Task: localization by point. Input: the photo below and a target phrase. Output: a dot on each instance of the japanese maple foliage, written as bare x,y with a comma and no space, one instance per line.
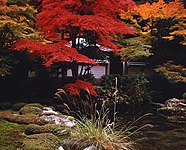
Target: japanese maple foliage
51,53
85,18
65,21
75,88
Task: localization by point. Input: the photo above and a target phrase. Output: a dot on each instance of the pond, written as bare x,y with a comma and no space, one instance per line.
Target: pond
164,135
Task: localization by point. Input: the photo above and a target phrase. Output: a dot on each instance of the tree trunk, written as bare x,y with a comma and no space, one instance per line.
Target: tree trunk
74,64
75,70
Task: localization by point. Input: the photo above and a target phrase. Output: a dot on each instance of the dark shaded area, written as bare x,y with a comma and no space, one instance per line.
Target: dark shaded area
163,135
116,66
15,89
163,89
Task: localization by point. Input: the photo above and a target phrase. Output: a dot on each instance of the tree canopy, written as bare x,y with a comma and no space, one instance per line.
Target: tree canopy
162,26
69,20
17,21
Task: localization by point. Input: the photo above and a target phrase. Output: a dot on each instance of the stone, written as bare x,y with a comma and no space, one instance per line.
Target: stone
49,111
50,115
174,110
61,148
92,147
58,120
173,102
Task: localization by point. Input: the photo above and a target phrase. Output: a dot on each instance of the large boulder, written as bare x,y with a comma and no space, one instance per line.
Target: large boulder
174,110
52,116
174,102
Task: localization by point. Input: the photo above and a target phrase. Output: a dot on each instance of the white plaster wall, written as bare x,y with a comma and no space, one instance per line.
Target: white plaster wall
97,71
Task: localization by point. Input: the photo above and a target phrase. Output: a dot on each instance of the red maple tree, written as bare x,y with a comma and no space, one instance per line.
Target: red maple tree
68,20
74,89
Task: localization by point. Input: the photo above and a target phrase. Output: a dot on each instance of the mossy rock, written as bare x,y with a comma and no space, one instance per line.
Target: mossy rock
34,105
56,129
22,119
44,141
30,110
18,106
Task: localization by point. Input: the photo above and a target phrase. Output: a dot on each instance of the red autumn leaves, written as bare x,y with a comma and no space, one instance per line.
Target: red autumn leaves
75,88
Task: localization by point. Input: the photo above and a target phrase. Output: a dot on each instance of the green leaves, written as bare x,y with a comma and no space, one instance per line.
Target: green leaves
134,49
6,61
17,21
172,72
131,89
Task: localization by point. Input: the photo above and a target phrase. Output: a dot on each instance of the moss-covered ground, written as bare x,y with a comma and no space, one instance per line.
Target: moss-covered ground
11,135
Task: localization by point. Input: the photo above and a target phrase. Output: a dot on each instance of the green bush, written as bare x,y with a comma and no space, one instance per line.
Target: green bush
5,106
44,141
131,89
56,129
30,110
89,77
18,106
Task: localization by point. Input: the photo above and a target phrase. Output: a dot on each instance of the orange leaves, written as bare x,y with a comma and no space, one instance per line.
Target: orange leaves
147,18
179,32
75,88
160,10
11,10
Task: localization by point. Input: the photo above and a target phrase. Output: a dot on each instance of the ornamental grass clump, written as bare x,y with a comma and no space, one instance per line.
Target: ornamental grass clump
102,134
90,132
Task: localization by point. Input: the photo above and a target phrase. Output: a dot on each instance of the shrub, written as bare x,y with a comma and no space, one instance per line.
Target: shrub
75,100
56,129
30,110
44,141
5,106
18,106
78,86
89,77
131,89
